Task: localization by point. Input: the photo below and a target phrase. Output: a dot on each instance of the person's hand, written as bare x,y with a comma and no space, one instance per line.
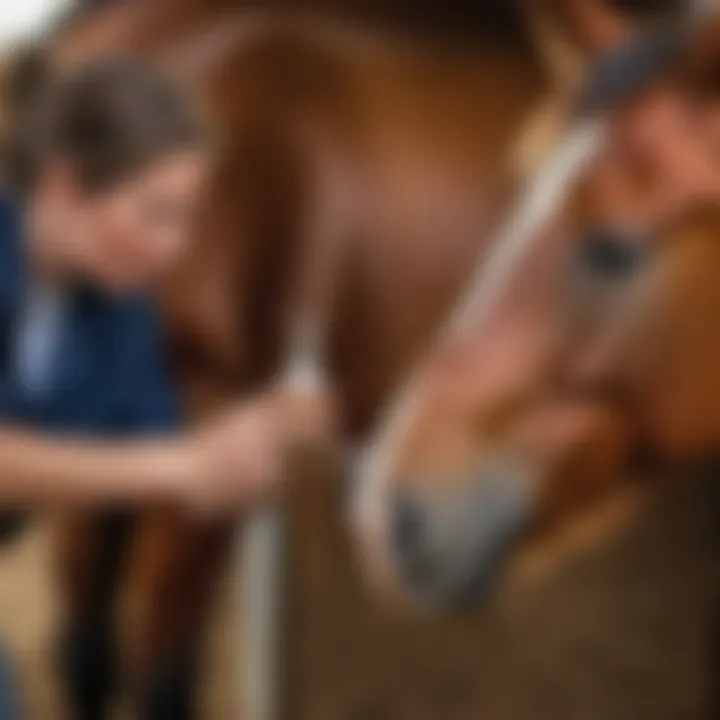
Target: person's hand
308,416
241,457
236,459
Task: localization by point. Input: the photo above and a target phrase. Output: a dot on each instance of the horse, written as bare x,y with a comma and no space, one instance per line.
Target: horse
319,124
582,348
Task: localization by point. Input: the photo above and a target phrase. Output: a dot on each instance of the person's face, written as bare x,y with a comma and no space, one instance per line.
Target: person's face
131,234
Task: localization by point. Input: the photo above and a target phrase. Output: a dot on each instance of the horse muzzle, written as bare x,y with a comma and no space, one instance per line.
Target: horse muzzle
451,551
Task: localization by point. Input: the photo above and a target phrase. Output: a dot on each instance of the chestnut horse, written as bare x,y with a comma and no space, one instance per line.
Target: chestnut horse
396,145
586,339
400,147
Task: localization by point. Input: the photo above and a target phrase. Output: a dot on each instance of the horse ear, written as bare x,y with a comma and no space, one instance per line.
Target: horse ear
571,34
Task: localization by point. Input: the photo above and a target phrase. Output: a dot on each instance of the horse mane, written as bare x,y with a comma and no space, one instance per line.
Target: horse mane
451,21
84,10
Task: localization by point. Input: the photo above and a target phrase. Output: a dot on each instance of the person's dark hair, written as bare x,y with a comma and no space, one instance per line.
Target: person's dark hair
111,118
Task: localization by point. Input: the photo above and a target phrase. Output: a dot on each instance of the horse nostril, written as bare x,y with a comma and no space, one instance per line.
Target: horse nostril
411,533
409,528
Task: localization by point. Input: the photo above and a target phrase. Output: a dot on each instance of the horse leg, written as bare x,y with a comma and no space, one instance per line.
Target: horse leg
91,551
179,564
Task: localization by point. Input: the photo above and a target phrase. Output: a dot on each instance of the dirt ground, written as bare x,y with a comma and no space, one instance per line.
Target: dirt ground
621,634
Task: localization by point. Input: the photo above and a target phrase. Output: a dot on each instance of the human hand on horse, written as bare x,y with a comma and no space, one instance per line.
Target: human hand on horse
242,457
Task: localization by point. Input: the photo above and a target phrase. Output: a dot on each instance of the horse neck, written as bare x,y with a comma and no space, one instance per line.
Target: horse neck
436,197
426,135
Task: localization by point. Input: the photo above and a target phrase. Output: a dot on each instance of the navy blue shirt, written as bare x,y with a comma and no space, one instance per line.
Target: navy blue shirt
109,376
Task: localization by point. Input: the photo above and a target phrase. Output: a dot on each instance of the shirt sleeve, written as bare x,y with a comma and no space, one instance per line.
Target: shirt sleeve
148,396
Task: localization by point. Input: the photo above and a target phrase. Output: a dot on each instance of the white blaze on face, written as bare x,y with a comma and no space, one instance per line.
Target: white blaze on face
537,206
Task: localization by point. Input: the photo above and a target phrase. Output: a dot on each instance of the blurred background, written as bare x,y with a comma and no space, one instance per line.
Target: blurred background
27,18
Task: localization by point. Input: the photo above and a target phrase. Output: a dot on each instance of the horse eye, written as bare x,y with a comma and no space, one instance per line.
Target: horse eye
611,253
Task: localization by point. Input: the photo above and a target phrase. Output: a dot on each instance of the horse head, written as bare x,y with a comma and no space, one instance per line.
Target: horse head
587,334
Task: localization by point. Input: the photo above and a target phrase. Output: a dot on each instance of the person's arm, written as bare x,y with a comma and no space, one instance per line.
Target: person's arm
234,460
37,469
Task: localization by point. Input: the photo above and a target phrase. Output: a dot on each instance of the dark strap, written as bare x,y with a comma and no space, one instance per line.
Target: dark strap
631,67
